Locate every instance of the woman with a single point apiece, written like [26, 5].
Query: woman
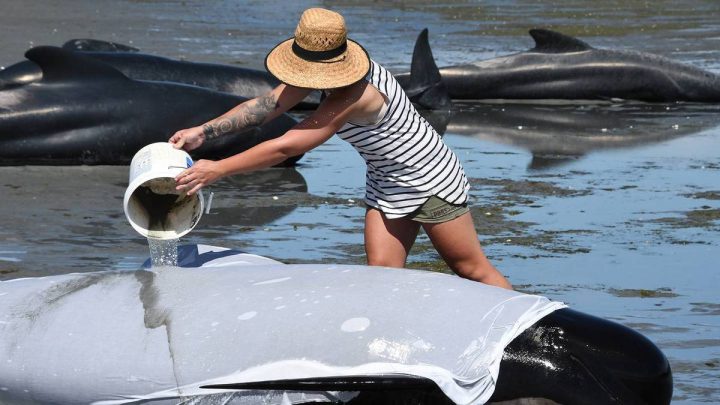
[413, 178]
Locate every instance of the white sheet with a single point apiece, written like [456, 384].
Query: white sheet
[121, 337]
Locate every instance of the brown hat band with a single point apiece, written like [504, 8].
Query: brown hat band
[318, 56]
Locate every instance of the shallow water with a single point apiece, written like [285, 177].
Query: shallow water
[619, 219]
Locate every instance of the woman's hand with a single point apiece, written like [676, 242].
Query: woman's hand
[197, 176]
[188, 139]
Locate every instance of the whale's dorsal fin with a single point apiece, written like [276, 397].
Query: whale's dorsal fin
[61, 64]
[422, 67]
[426, 87]
[548, 41]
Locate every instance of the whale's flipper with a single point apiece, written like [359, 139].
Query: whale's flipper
[426, 88]
[340, 383]
[548, 41]
[96, 45]
[60, 64]
[385, 389]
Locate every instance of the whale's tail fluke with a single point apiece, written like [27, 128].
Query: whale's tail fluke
[424, 86]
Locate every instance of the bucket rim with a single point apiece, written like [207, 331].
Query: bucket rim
[142, 179]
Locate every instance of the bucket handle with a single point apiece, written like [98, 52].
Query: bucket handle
[209, 203]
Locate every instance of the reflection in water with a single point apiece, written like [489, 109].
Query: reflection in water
[72, 214]
[255, 199]
[558, 133]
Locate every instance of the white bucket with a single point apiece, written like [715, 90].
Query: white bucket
[152, 205]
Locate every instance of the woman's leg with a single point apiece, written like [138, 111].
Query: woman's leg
[457, 242]
[388, 241]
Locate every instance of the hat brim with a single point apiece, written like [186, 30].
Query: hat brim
[342, 71]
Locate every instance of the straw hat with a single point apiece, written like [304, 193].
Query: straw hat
[319, 56]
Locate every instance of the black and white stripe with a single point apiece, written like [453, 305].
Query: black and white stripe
[407, 161]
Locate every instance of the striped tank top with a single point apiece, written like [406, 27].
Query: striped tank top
[407, 161]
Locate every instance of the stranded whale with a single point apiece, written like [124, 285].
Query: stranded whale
[242, 82]
[424, 88]
[563, 67]
[86, 112]
[240, 329]
[239, 81]
[558, 67]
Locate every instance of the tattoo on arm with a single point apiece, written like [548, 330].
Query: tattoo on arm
[209, 131]
[249, 116]
[254, 115]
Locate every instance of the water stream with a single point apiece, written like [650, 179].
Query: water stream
[163, 252]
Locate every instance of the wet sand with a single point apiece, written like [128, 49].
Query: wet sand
[623, 227]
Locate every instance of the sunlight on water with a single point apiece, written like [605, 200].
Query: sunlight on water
[163, 253]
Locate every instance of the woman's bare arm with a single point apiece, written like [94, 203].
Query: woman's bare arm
[330, 116]
[255, 112]
[249, 114]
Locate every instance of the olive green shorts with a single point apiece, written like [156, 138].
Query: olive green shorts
[436, 210]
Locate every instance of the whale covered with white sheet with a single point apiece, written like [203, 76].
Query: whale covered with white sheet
[157, 335]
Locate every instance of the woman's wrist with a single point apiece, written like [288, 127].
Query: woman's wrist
[223, 167]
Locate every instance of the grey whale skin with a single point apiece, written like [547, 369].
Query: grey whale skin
[160, 329]
[564, 67]
[83, 111]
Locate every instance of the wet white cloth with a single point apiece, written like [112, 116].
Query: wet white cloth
[117, 337]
